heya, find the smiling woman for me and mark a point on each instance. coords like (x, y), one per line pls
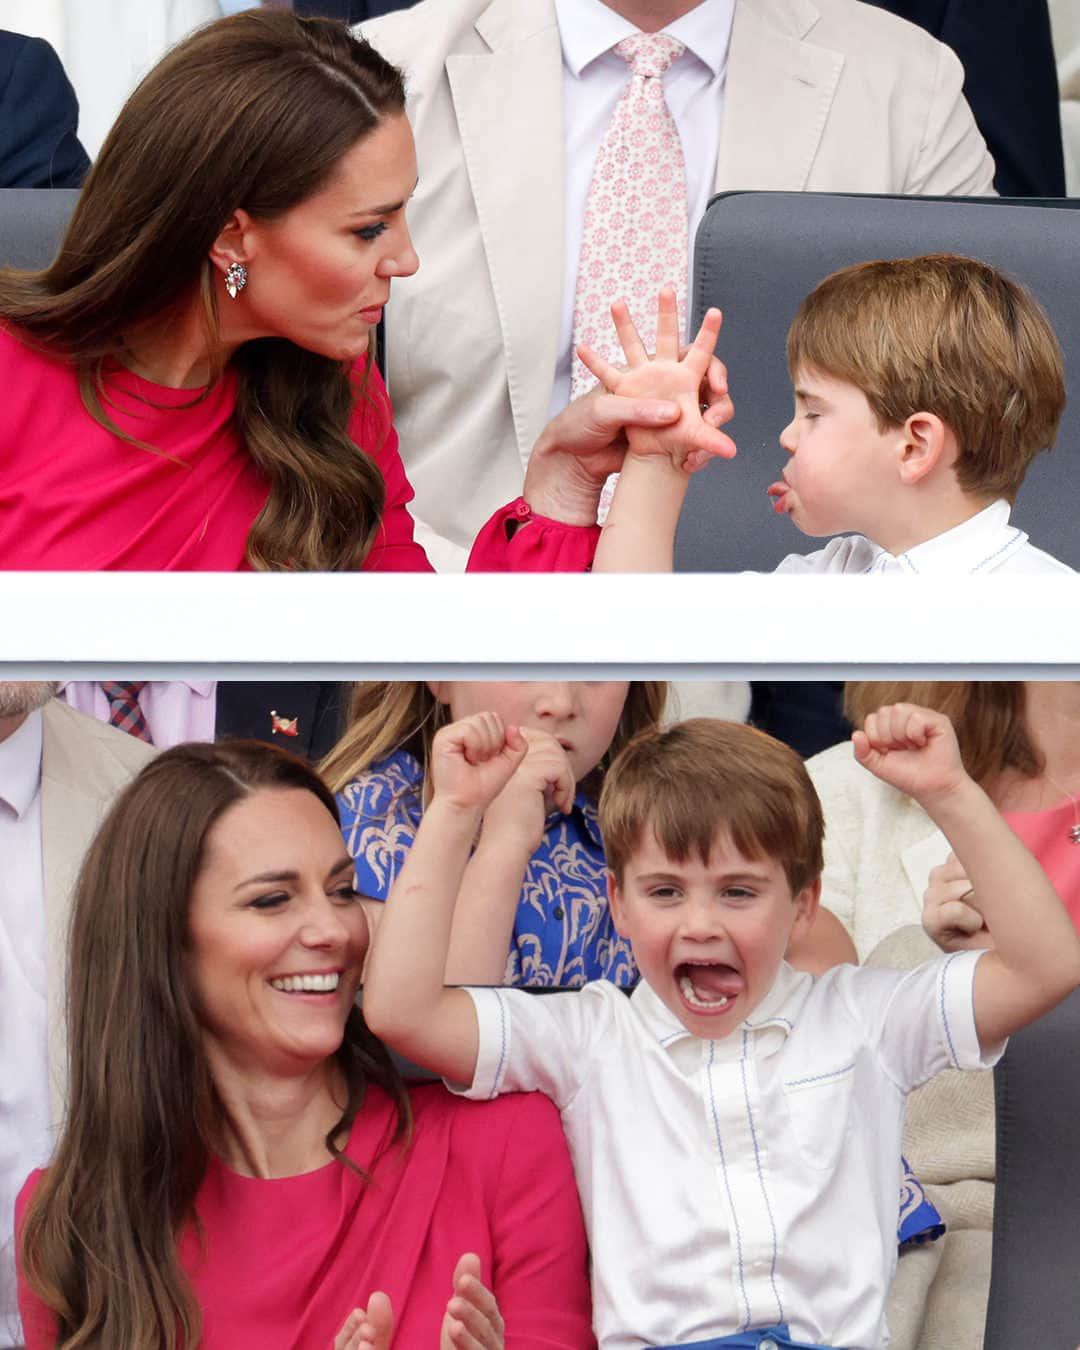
(230, 1112)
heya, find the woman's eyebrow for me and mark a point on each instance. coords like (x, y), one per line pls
(386, 209)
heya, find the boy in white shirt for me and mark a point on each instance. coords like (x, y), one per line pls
(924, 387)
(735, 1125)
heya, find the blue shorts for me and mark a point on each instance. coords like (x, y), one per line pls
(767, 1338)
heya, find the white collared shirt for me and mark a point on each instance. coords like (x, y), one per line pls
(985, 543)
(175, 710)
(25, 1115)
(594, 78)
(736, 1183)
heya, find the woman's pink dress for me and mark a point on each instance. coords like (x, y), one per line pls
(285, 1261)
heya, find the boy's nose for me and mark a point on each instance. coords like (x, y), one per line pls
(787, 437)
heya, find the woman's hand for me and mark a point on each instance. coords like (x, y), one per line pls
(952, 923)
(472, 1320)
(674, 373)
(913, 749)
(541, 783)
(368, 1329)
(473, 759)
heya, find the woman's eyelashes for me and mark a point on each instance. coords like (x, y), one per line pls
(372, 232)
(344, 892)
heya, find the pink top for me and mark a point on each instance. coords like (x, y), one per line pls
(74, 496)
(285, 1261)
(1046, 834)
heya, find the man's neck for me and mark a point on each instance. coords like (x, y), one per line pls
(652, 15)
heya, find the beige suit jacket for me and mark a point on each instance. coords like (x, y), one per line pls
(821, 95)
(84, 764)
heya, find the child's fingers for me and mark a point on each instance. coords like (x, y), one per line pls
(668, 337)
(480, 736)
(627, 333)
(711, 442)
(703, 347)
(605, 372)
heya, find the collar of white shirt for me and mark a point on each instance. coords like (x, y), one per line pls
(20, 765)
(588, 29)
(977, 545)
(761, 1034)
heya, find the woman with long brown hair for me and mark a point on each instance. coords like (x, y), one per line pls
(188, 385)
(241, 1165)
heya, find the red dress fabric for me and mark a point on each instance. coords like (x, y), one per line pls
(74, 496)
(1046, 834)
(286, 1260)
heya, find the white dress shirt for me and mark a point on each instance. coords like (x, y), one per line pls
(594, 78)
(985, 543)
(741, 1182)
(25, 1117)
(175, 710)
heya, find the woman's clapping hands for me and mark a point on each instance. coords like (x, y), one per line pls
(472, 1320)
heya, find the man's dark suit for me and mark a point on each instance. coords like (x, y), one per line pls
(39, 117)
(353, 11)
(1010, 83)
(309, 714)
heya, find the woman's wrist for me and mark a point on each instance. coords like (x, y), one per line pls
(557, 488)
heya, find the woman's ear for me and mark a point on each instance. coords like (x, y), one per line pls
(235, 242)
(927, 442)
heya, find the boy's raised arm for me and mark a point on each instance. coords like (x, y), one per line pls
(405, 1001)
(1036, 960)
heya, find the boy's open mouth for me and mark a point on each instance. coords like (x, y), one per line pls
(708, 987)
(779, 493)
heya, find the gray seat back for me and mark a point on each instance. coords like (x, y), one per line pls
(1035, 1277)
(759, 253)
(32, 224)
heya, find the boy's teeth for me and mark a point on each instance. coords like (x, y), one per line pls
(692, 997)
(306, 984)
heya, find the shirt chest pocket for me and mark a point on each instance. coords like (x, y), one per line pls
(819, 1107)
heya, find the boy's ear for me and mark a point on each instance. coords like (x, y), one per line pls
(616, 904)
(926, 443)
(235, 242)
(806, 906)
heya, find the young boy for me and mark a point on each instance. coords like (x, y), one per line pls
(735, 1125)
(924, 387)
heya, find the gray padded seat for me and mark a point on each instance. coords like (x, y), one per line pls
(759, 253)
(32, 223)
(1035, 1277)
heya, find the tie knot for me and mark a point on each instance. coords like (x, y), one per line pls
(123, 691)
(649, 54)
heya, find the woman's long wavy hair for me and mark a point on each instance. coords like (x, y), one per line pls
(99, 1241)
(389, 715)
(253, 111)
(987, 715)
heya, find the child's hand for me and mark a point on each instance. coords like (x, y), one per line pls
(542, 782)
(472, 1320)
(472, 760)
(914, 749)
(952, 923)
(368, 1329)
(671, 374)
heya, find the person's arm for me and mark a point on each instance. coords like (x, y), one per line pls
(405, 1001)
(823, 945)
(951, 159)
(39, 115)
(639, 533)
(1036, 960)
(511, 832)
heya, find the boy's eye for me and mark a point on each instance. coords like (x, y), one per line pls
(738, 893)
(664, 892)
(370, 232)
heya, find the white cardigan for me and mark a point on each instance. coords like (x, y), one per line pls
(879, 849)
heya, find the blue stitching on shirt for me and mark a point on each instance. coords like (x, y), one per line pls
(761, 1178)
(819, 1077)
(731, 1202)
(944, 1014)
(666, 1040)
(500, 1003)
(769, 1021)
(1018, 536)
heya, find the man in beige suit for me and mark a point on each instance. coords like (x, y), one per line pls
(801, 95)
(59, 772)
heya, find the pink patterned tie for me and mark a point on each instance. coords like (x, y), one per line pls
(635, 236)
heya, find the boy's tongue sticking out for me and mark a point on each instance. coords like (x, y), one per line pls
(709, 987)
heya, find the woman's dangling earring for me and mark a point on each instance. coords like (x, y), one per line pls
(235, 279)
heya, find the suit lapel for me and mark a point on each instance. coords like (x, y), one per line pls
(508, 103)
(778, 94)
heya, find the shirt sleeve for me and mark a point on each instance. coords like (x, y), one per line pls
(952, 158)
(920, 1021)
(516, 540)
(535, 1042)
(540, 1258)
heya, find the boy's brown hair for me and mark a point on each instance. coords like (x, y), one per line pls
(706, 775)
(946, 335)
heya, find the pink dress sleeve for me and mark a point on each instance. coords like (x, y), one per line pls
(39, 1324)
(540, 1272)
(516, 540)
